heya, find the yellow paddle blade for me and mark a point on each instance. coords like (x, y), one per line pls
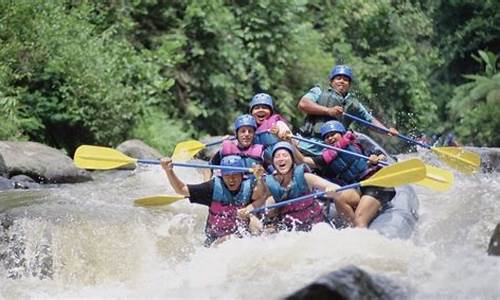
(405, 172)
(437, 179)
(187, 150)
(100, 158)
(456, 157)
(158, 200)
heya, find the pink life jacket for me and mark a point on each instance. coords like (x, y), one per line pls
(222, 213)
(251, 155)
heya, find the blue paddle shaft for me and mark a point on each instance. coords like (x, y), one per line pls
(203, 166)
(309, 196)
(403, 137)
(336, 149)
(192, 165)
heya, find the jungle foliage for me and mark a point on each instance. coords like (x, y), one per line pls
(99, 72)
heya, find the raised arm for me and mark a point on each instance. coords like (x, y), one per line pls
(179, 186)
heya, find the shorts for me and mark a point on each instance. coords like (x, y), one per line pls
(383, 195)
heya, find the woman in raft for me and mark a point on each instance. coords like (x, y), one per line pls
(344, 168)
(290, 181)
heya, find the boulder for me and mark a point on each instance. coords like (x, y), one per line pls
(40, 162)
(494, 247)
(137, 149)
(351, 283)
(6, 184)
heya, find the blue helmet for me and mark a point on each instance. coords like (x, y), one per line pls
(331, 126)
(231, 161)
(283, 145)
(244, 120)
(262, 99)
(341, 70)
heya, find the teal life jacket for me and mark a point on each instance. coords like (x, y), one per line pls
(330, 98)
(345, 168)
(300, 215)
(223, 195)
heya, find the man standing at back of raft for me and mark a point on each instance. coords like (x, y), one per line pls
(322, 105)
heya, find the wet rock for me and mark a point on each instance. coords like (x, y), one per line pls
(6, 184)
(494, 247)
(351, 283)
(25, 182)
(40, 162)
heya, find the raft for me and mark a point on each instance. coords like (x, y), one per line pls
(399, 217)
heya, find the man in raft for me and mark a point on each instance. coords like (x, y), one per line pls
(224, 195)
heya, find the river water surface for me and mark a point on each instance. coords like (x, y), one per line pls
(89, 241)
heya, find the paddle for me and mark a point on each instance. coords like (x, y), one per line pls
(158, 200)
(104, 158)
(408, 171)
(436, 178)
(188, 149)
(456, 157)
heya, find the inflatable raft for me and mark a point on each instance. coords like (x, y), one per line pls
(399, 217)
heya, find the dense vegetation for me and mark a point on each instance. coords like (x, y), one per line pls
(99, 72)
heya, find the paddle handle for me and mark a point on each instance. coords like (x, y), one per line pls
(313, 195)
(336, 149)
(403, 137)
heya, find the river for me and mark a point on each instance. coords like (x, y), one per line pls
(88, 240)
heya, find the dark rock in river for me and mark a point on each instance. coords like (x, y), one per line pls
(6, 184)
(351, 283)
(494, 247)
(40, 162)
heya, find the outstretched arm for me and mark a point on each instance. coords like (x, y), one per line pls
(179, 186)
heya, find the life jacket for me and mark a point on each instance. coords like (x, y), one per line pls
(344, 168)
(264, 137)
(223, 209)
(251, 155)
(300, 215)
(329, 98)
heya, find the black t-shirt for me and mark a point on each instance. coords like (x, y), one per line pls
(202, 193)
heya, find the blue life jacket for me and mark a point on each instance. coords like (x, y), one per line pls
(347, 168)
(300, 215)
(298, 186)
(222, 195)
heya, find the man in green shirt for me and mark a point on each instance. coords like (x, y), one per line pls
(322, 105)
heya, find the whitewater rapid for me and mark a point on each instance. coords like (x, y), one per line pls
(88, 240)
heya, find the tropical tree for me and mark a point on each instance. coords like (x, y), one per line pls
(476, 104)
